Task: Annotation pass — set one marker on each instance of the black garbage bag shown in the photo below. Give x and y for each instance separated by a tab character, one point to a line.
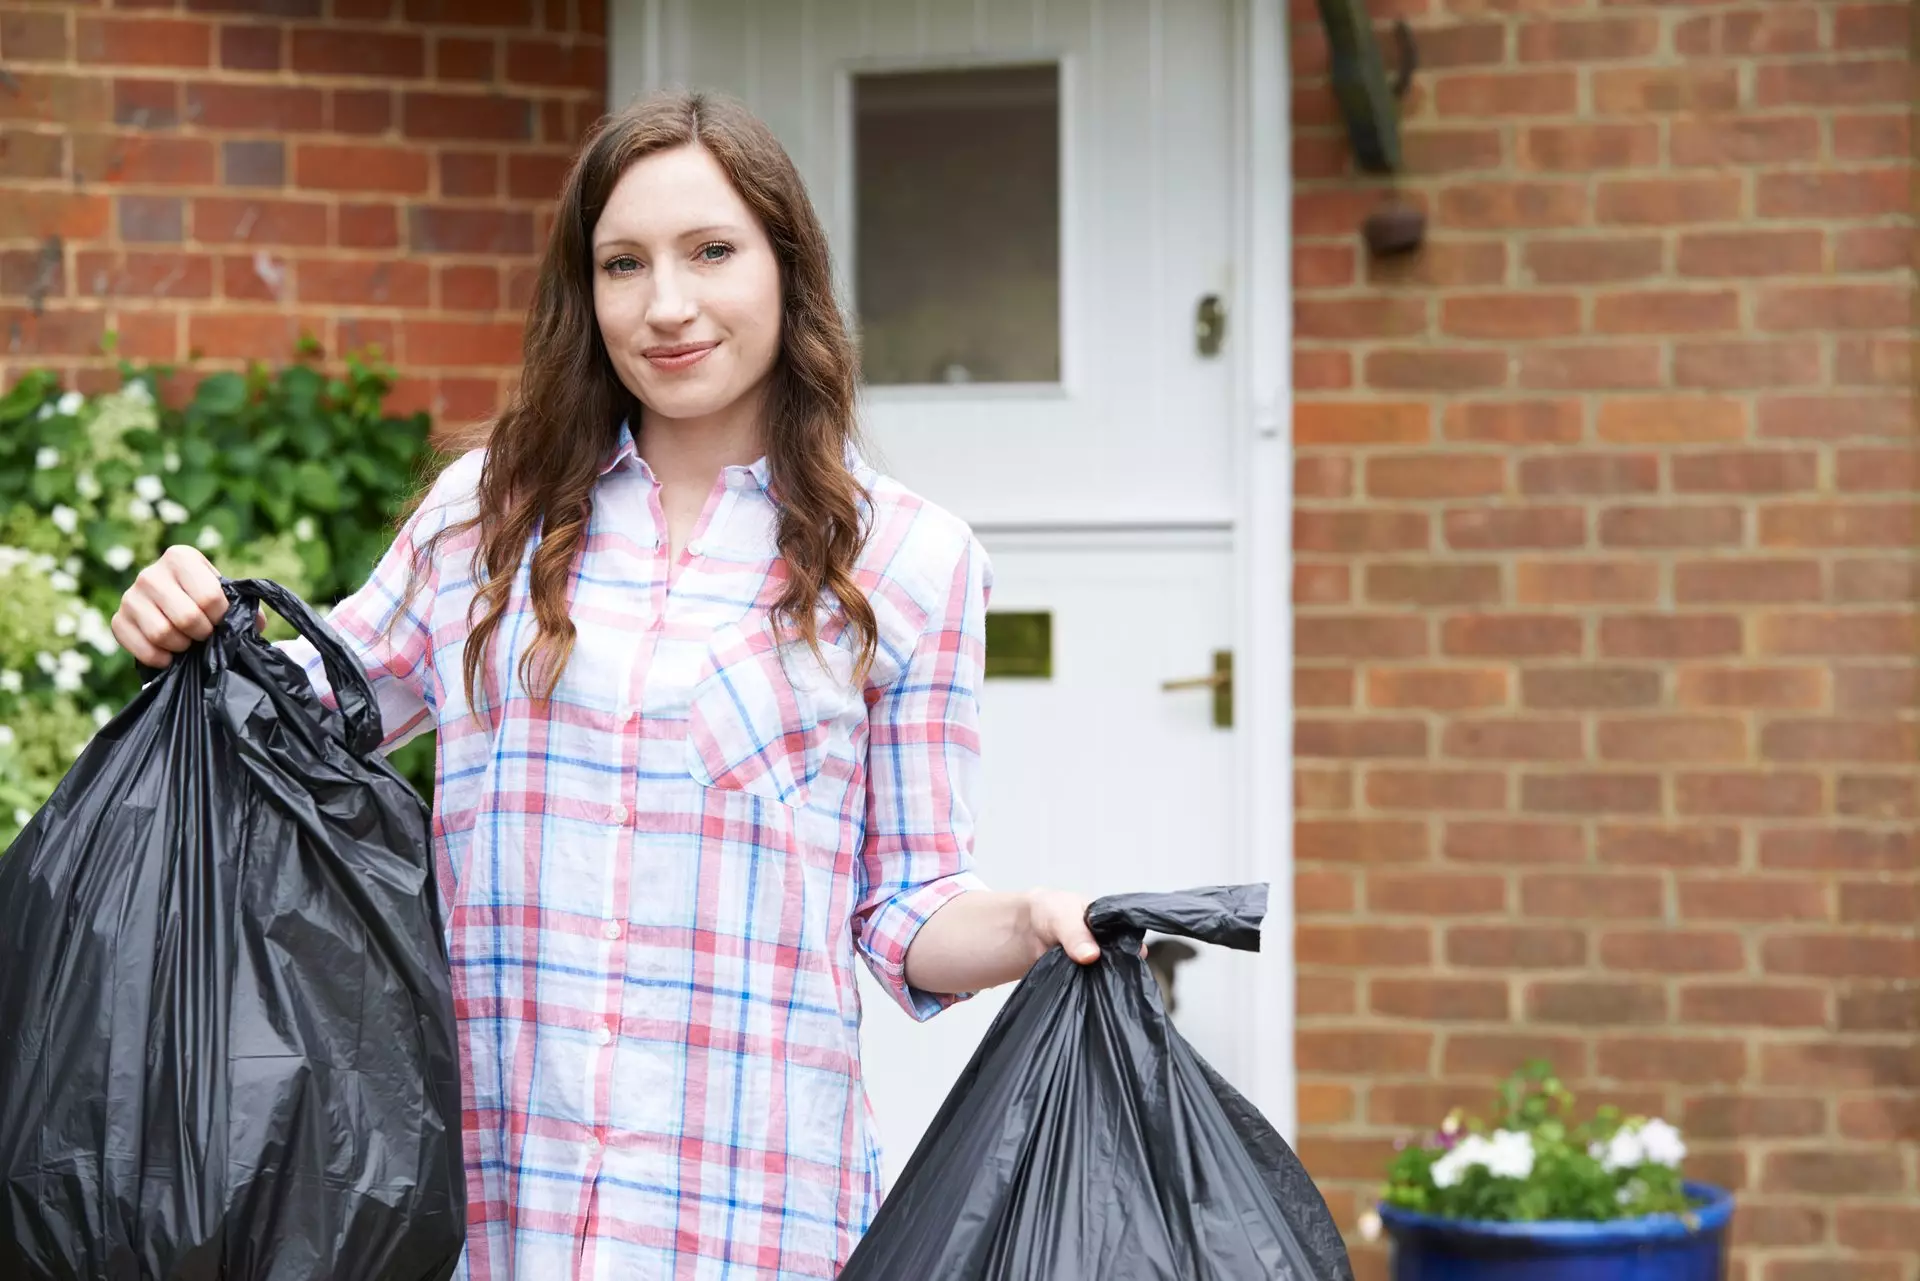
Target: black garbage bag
227	1044
1087	1141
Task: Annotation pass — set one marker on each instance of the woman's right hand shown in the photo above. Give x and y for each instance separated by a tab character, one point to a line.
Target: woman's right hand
173	602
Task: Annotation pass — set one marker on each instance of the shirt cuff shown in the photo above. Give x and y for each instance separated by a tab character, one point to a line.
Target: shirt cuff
891	930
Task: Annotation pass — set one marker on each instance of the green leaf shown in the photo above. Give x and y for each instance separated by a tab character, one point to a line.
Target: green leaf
318	487
193	489
221	394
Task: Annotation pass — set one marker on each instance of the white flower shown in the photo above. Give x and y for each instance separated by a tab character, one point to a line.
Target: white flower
70	403
1622	1152
44	661
87	485
101	715
170	461
171	512
1507	1155
46	412
67	681
304	530
64	518
1370	1226
63	581
95	630
72	565
21	818
149	488
10	681
209	538
65	625
6	736
1662	1143
45	457
139	509
138	392
118	556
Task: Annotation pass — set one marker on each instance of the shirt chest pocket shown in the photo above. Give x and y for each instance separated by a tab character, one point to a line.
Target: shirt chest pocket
764	716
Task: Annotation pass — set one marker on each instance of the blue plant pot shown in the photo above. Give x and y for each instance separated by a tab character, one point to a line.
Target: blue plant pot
1660	1247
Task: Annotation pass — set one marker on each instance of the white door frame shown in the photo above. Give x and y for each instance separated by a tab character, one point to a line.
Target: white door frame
1260	339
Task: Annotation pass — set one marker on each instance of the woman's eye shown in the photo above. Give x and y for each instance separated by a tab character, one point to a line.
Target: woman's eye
622	264
717	251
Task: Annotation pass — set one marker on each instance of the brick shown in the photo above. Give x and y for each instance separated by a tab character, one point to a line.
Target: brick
1522	422
1749	33
1319	1105
1317	584
1864	193
1668	525
28	273
1870	250
1837	1173
1590	39
1833	83
1317	893
1431	583
1671	419
1672	1060
1505	93
451	117
33	37
1510	315
1377	530
1435	790
1332	212
1609	367
1839	849
253	164
1872	362
1441	264
1838	740
1588	688
1839	635
1436	689
242	279
1323	995
1743	255
363	112
363	282
252	48
1590	793
1363	841
1756	1116
369	227
1502	206
1435	369
1787	308
1665	202
1673	311
1841	524
1447	152
1440	1000
1669	636
1376	738
262	8
150	219
561	64
53	331
1323	266
1362	1051
469	288
1362	423
472	13
166	273
1772	688
258	221
1510	739
1678	739
1362	946
142	159
1418	1106
1763	140
1428	476
396	171
1697	89
1876	581
1322	789
1321	370
1752	471
450	229
1777	1225
1688	846
463	58
256	108
1582	582
1323	319
1513	528
1592	260
1596	1004
1747	581
1359	636
235	335
462	342
1510	636
1322	476
144	42
1589	148
1873	137
143	335
1879	1227
1881	1120
1582	895
1494	1056
1323	687
32	156
1434	894
1514	947
39	97
1841	956
1564	473
1881	903
1877	797
1752	1005
384	55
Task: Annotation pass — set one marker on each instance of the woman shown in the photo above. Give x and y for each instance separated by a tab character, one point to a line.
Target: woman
705	686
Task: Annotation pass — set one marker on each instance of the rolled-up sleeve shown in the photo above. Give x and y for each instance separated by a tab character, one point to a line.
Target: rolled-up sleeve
922	782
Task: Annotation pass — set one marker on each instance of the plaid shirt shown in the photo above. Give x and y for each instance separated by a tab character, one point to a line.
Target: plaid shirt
656	883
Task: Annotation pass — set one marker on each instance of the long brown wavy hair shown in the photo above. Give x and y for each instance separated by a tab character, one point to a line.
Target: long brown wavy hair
546	449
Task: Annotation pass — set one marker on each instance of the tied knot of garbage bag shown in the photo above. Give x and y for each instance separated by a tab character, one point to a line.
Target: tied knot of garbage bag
1087	1141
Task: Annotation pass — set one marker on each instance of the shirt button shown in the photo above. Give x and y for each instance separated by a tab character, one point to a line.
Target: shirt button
611	929
604	1035
696	549
618	814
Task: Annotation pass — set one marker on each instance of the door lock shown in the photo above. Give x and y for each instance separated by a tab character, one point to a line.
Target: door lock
1209	325
1220	681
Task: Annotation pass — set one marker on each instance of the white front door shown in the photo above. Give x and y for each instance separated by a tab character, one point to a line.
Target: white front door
1032	211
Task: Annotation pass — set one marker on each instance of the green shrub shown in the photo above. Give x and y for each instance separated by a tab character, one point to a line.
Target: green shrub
292	474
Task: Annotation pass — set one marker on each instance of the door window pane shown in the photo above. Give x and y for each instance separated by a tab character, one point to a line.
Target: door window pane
957	235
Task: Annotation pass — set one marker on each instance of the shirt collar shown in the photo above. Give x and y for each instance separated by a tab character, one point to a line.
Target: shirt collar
626	454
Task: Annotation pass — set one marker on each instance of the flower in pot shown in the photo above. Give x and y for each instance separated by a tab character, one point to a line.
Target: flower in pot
1534	1196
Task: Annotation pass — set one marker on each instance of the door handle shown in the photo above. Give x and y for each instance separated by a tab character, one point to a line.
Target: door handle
1219	680
1209	325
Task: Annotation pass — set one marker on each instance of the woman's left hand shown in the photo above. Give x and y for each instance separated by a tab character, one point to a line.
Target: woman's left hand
1058	917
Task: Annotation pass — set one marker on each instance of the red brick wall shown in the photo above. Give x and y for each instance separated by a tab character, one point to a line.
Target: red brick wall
1606	601
215	177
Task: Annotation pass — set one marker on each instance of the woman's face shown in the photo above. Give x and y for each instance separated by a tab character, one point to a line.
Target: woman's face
685	287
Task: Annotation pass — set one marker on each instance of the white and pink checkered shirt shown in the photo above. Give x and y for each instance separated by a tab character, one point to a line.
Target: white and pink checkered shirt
655	884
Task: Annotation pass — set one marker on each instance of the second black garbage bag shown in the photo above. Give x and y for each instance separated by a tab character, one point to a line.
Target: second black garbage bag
1087	1141
227	1045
